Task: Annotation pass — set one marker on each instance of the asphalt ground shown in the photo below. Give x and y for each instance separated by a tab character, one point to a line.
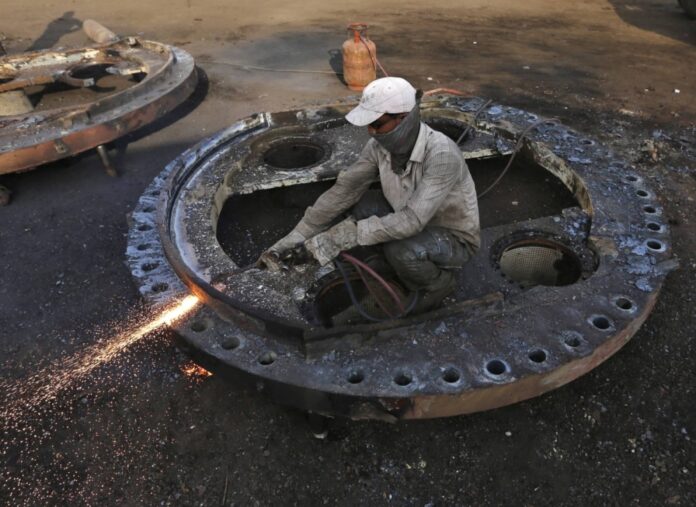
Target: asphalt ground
137	430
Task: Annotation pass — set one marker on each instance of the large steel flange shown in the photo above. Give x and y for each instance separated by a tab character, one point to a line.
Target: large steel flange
574	252
131	83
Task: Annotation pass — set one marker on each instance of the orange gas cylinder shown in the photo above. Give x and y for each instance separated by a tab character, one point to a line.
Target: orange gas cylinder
359	58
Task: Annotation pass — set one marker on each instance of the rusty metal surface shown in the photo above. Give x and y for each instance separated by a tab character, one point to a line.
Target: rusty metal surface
462	359
165	74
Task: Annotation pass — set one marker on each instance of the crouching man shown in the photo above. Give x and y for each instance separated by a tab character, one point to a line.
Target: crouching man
426	215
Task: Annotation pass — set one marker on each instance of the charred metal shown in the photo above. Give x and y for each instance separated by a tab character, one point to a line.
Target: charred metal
566	273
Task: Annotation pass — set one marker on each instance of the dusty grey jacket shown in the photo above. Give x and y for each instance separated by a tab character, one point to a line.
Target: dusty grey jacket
435	189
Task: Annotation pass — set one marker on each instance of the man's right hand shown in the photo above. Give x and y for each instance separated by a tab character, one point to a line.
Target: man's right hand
271	258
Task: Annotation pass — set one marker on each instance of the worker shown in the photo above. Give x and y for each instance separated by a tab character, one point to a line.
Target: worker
426	216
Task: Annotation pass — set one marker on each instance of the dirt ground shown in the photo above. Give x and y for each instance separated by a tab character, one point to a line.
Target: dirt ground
137	431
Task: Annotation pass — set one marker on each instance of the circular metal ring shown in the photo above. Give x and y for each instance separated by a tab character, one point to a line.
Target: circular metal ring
496	344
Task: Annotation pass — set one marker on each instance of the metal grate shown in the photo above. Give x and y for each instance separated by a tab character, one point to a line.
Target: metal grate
529	265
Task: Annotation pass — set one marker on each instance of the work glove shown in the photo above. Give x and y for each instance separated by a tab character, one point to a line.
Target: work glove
326	246
271	258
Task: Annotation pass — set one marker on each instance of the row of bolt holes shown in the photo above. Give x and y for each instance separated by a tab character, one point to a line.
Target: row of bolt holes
149	266
494	367
652	244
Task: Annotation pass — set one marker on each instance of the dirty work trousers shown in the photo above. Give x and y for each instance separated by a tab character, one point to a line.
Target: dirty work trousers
423	262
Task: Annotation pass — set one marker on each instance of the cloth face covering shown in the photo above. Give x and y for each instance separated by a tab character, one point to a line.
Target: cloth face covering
400	141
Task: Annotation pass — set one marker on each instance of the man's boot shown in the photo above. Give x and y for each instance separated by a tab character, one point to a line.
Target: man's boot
431	299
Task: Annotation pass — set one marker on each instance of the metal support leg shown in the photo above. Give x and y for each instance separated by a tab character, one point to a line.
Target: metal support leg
318	425
5	194
104	156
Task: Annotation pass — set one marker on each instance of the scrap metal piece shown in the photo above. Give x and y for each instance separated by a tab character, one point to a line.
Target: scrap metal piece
546	299
15	102
163	77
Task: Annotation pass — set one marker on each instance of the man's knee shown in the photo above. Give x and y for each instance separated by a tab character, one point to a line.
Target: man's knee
405	253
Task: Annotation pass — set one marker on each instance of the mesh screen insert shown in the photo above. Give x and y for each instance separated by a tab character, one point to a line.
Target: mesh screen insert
529	265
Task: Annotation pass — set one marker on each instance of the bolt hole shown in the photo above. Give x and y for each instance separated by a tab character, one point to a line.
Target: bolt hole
451	375
230	343
496	367
642	193
655	245
148	209
199	326
624	303
601	322
149	266
403	379
143	246
160	287
537	355
572	341
550	123
144	227
294	153
356	377
631	178
653	226
268	358
587	142
650	209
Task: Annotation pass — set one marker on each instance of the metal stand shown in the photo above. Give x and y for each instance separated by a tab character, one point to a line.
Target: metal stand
104	156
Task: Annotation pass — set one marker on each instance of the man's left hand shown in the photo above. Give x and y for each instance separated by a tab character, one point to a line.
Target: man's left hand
326	246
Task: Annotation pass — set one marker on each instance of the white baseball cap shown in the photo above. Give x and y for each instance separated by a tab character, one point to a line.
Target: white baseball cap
385	95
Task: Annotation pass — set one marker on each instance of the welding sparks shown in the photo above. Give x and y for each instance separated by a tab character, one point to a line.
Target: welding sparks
194	372
47	384
35	409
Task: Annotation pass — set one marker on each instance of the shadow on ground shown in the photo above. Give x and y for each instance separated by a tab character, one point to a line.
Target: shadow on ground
663	18
55	30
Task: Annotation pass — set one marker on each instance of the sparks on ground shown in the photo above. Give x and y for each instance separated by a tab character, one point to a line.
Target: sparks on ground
194	371
48	383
